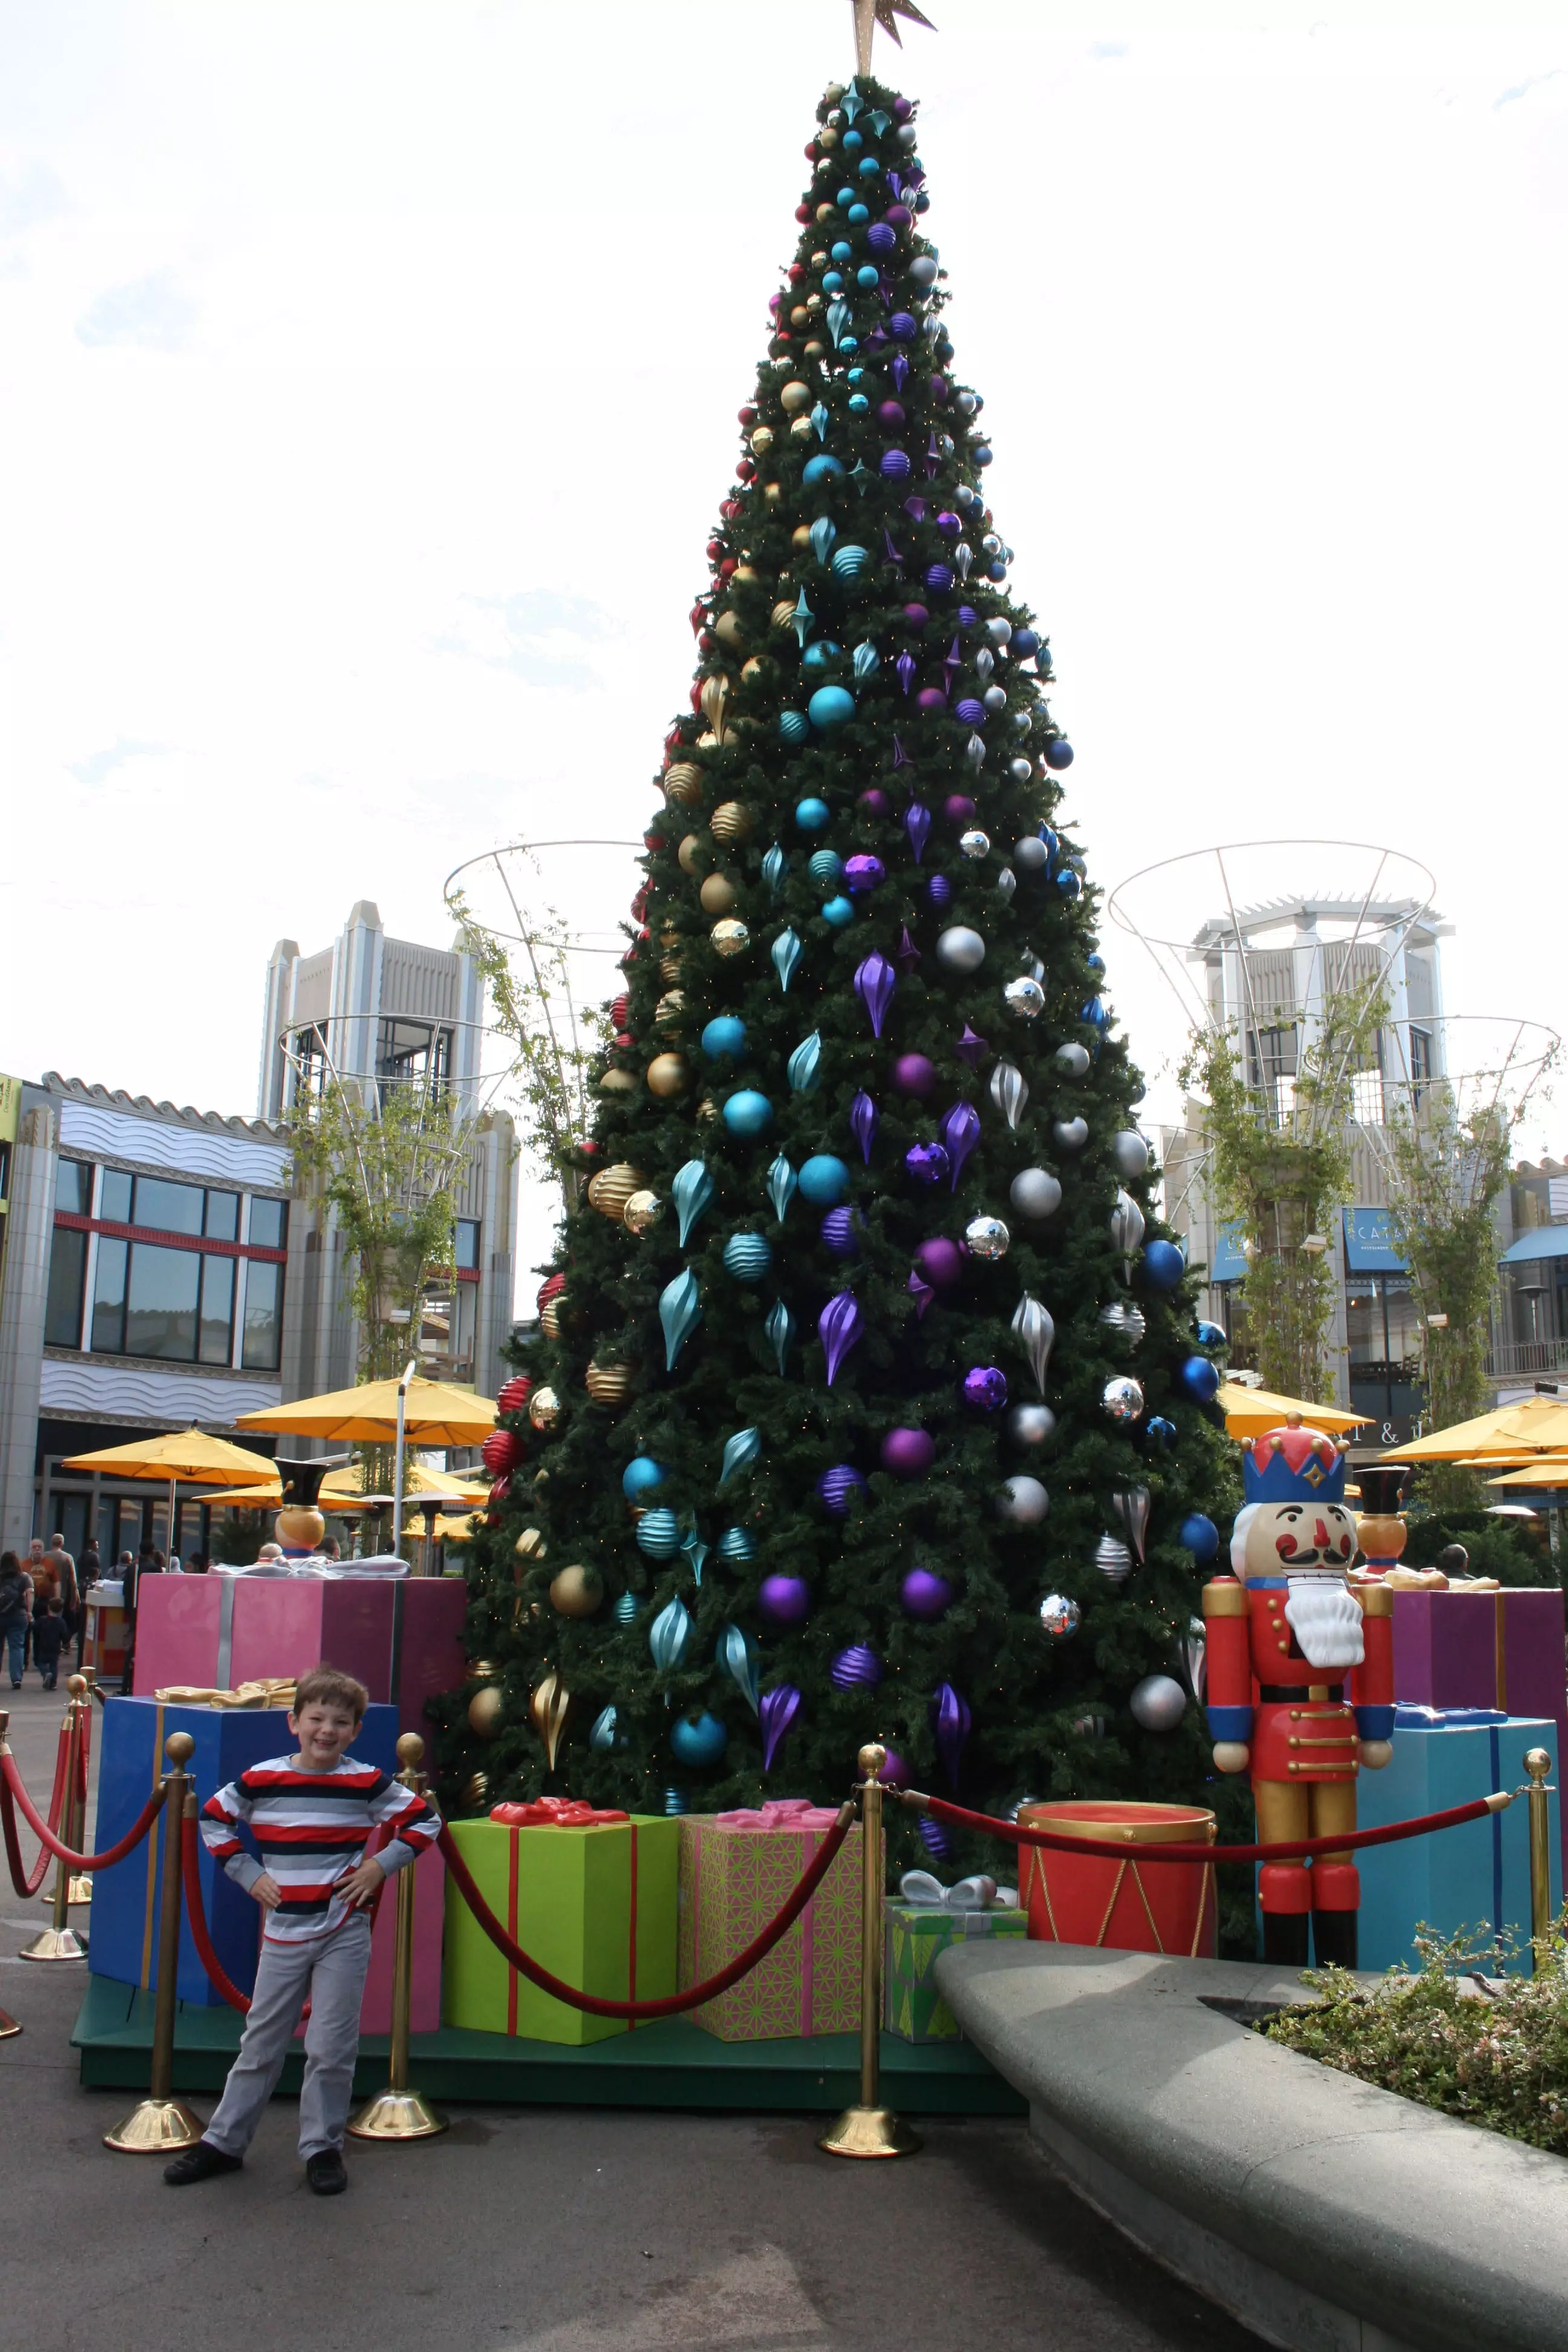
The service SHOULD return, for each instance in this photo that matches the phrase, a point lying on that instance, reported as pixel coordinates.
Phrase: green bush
(1499, 2062)
(1516, 1552)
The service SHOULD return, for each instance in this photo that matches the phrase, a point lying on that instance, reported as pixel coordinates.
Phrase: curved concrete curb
(1327, 2215)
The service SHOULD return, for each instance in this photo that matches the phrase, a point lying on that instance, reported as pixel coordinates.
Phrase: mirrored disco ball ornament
(974, 843)
(1122, 1399)
(1113, 1559)
(1025, 998)
(1157, 1703)
(987, 1237)
(1059, 1617)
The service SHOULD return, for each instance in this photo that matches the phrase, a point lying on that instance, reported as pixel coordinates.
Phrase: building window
(268, 1223)
(1230, 1300)
(161, 1303)
(1383, 1329)
(465, 1244)
(115, 1197)
(108, 1296)
(223, 1217)
(166, 1208)
(217, 1343)
(1420, 1064)
(1366, 1097)
(68, 1270)
(409, 1051)
(73, 1187)
(261, 1349)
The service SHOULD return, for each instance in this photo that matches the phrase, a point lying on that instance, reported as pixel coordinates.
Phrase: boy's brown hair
(328, 1687)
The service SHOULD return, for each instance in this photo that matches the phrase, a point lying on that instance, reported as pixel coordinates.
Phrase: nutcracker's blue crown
(1293, 1465)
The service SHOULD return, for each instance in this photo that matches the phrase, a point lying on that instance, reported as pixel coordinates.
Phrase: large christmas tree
(870, 1401)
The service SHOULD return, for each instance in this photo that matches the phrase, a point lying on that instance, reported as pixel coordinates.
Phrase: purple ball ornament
(914, 1073)
(902, 327)
(783, 1601)
(935, 1839)
(939, 891)
(895, 466)
(908, 1453)
(916, 824)
(940, 1262)
(882, 239)
(875, 802)
(925, 1163)
(838, 1329)
(863, 1122)
(950, 1722)
(890, 415)
(939, 579)
(875, 979)
(968, 618)
(898, 217)
(895, 1772)
(776, 1713)
(925, 1595)
(840, 1231)
(915, 617)
(838, 1486)
(960, 1134)
(958, 809)
(932, 700)
(949, 525)
(984, 1389)
(857, 1669)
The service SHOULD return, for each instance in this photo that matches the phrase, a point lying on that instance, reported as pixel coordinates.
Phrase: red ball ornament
(803, 213)
(499, 1491)
(501, 1451)
(514, 1393)
(553, 1288)
(620, 1009)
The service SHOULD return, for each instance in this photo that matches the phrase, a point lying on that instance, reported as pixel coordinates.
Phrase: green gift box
(595, 1906)
(916, 1934)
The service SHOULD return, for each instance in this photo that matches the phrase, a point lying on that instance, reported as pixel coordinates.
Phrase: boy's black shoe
(199, 2163)
(325, 2173)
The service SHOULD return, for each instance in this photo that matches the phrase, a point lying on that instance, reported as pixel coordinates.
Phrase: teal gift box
(916, 1934)
(1451, 1880)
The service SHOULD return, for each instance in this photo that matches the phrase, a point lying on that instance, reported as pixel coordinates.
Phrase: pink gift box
(401, 1636)
(736, 1871)
(429, 1912)
(1485, 1649)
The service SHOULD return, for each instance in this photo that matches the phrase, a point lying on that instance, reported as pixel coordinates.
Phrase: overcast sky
(369, 373)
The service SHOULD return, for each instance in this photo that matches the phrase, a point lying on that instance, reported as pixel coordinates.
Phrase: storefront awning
(1542, 1240)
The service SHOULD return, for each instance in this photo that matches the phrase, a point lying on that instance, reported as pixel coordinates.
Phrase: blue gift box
(1453, 1879)
(123, 1939)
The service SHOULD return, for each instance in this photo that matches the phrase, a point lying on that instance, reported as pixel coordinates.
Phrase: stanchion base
(8, 2026)
(157, 2127)
(396, 2114)
(79, 1892)
(54, 1944)
(869, 2131)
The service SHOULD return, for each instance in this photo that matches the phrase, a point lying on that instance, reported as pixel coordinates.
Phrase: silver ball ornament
(1129, 1152)
(1006, 882)
(1024, 997)
(1074, 1060)
(994, 698)
(1031, 1424)
(974, 843)
(999, 630)
(958, 949)
(987, 1237)
(1023, 1502)
(1069, 1134)
(1059, 1617)
(1030, 855)
(1122, 1399)
(1157, 1703)
(1035, 1194)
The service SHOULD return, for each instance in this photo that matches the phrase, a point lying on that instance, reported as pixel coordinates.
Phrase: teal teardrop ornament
(803, 1063)
(822, 534)
(780, 1328)
(668, 1635)
(691, 1188)
(867, 660)
(696, 1551)
(740, 1452)
(775, 866)
(680, 1312)
(739, 1657)
(782, 1183)
(602, 1737)
(785, 953)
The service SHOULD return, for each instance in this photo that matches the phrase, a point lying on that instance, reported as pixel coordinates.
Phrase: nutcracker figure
(1300, 1682)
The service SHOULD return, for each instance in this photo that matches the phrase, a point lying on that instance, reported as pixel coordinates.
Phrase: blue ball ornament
(846, 196)
(839, 911)
(738, 1544)
(812, 815)
(1162, 1431)
(824, 1181)
(1024, 642)
(852, 141)
(698, 1740)
(1200, 1379)
(747, 1256)
(658, 1534)
(641, 1476)
(830, 707)
(1059, 753)
(1210, 1334)
(1068, 883)
(1199, 1535)
(832, 281)
(795, 728)
(858, 214)
(858, 403)
(748, 1113)
(1163, 1266)
(868, 277)
(821, 468)
(724, 1039)
(870, 167)
(821, 655)
(996, 571)
(902, 327)
(849, 561)
(842, 252)
(939, 579)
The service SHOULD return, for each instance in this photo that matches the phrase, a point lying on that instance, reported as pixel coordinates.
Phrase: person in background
(147, 1562)
(90, 1569)
(45, 1578)
(64, 1567)
(49, 1640)
(329, 1549)
(16, 1613)
(197, 1563)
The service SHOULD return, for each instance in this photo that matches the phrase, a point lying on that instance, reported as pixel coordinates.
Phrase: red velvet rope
(805, 1887)
(222, 1982)
(1297, 1849)
(30, 1884)
(12, 1795)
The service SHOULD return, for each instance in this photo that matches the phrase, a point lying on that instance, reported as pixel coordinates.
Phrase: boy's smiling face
(324, 1730)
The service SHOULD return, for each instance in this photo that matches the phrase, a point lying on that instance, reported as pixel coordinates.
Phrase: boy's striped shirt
(313, 1829)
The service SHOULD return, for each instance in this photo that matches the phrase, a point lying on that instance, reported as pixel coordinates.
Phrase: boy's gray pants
(331, 1973)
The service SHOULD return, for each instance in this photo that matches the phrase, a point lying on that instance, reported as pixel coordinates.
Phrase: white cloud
(152, 313)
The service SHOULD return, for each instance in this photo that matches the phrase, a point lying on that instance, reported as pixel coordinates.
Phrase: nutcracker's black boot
(1334, 1938)
(1284, 1939)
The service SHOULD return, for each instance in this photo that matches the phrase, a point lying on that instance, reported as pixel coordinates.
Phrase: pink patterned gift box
(737, 1870)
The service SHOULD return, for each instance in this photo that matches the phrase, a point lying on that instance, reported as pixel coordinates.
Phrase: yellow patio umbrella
(1546, 1474)
(1535, 1426)
(427, 1413)
(181, 1453)
(1252, 1412)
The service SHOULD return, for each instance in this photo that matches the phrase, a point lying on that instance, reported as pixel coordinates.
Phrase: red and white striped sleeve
(413, 1819)
(219, 1821)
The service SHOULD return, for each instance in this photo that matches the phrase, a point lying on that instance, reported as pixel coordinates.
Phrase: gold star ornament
(870, 14)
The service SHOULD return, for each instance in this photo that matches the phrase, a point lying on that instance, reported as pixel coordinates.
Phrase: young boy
(311, 1815)
(49, 1630)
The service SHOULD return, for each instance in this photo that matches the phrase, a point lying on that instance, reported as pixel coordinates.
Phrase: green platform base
(667, 2064)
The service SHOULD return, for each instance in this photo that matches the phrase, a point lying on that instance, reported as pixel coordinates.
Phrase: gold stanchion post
(398, 2112)
(8, 2026)
(59, 1940)
(161, 2125)
(869, 2128)
(78, 1894)
(1538, 1764)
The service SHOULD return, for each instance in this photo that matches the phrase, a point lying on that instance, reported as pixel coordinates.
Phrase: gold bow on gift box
(271, 1691)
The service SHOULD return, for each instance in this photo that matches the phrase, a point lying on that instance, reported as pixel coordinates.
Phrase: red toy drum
(1164, 1906)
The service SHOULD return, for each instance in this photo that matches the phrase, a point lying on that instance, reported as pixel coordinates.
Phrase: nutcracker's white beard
(1325, 1620)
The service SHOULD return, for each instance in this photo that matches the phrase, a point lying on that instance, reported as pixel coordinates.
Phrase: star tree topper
(870, 14)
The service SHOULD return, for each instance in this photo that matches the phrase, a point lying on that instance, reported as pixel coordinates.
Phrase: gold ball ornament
(482, 1670)
(612, 1188)
(550, 1317)
(667, 1075)
(783, 614)
(667, 1012)
(576, 1591)
(762, 440)
(670, 969)
(608, 1384)
(642, 1212)
(799, 538)
(544, 1412)
(731, 821)
(683, 784)
(716, 894)
(617, 1082)
(752, 670)
(529, 1544)
(794, 396)
(547, 1711)
(485, 1710)
(744, 575)
(827, 137)
(728, 630)
(814, 350)
(686, 856)
(801, 429)
(772, 493)
(730, 937)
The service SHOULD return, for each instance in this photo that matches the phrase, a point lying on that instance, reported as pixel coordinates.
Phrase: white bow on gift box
(979, 1893)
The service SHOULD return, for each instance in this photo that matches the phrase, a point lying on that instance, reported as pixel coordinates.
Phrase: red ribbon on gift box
(551, 1813)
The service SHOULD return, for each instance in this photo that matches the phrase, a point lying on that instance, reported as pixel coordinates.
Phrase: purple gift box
(1501, 1650)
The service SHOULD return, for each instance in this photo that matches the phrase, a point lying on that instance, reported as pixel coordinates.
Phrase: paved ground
(542, 2230)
